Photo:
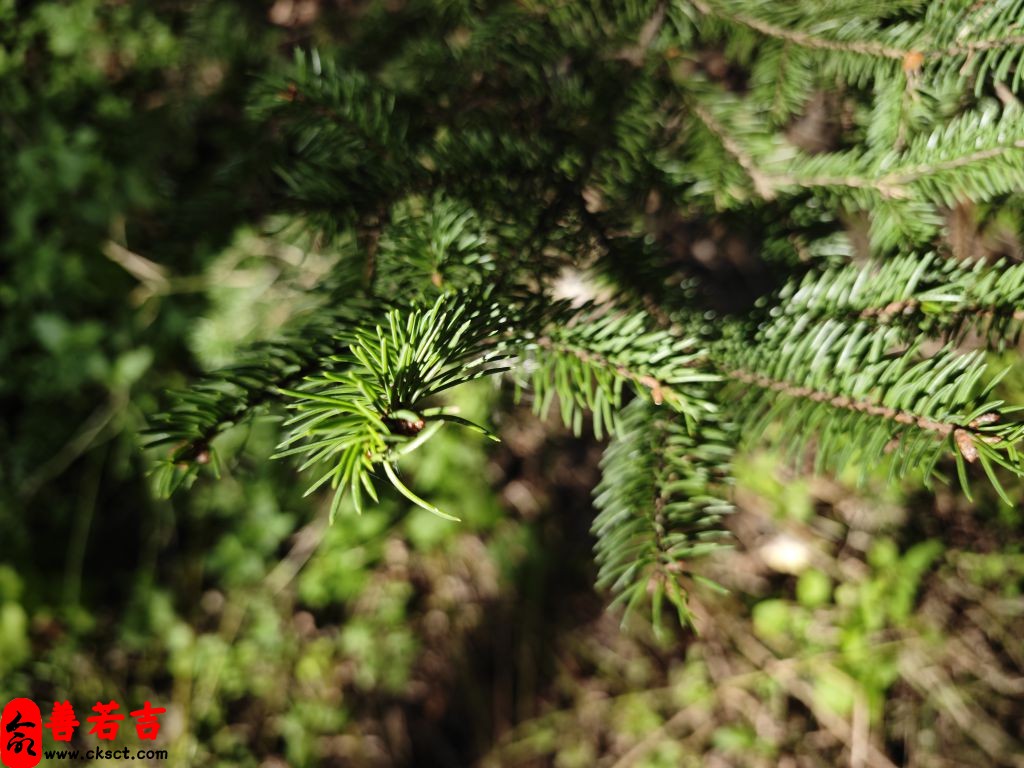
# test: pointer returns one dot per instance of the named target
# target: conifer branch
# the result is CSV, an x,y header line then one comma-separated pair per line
x,y
859,391
465,195
657,505
894,184
799,37
976,156
585,361
659,392
765,184
233,395
369,406
911,55
924,294
973,46
940,428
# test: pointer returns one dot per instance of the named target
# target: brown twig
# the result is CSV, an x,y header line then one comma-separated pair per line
x,y
909,56
943,429
659,391
802,38
764,184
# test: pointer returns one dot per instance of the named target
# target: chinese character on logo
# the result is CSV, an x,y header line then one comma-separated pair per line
x,y
106,724
146,724
21,734
62,722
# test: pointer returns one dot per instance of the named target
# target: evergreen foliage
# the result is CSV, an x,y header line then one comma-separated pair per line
x,y
499,148
658,505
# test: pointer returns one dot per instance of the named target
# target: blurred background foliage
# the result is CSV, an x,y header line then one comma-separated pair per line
x,y
870,627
